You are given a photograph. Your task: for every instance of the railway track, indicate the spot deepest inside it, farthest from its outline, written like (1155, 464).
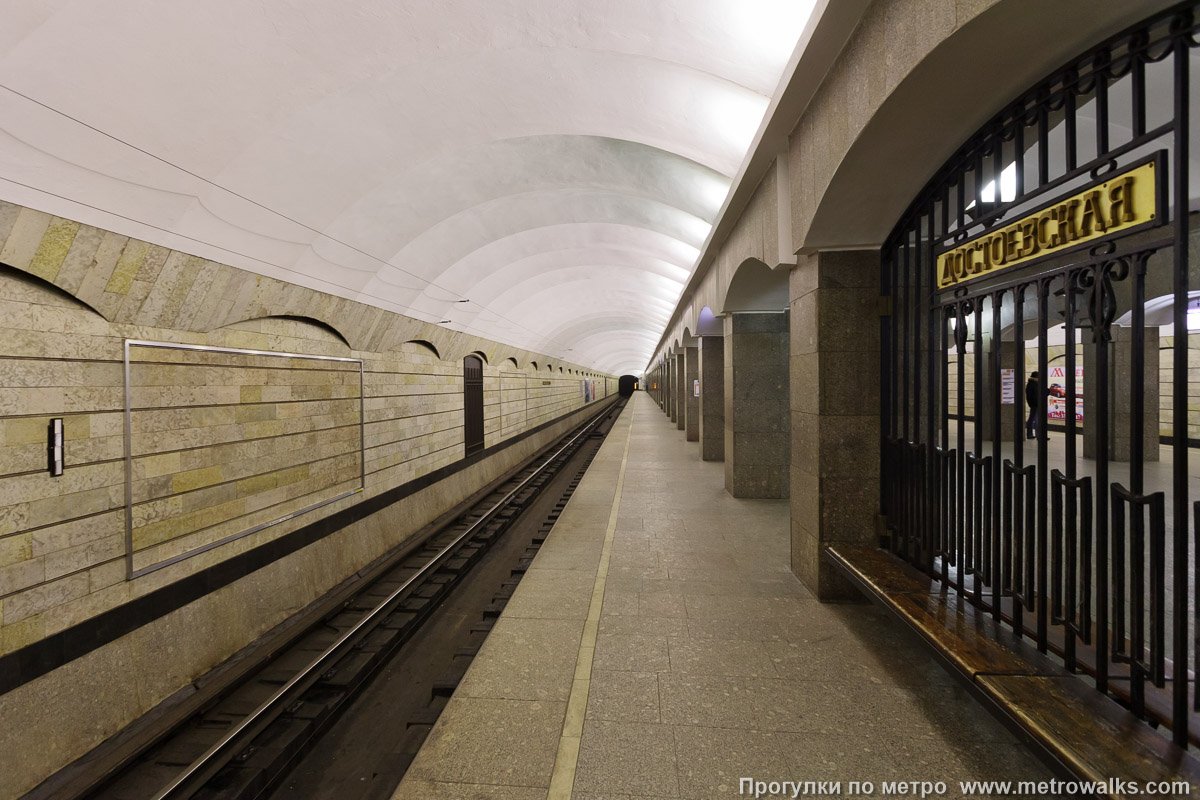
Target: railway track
(241, 745)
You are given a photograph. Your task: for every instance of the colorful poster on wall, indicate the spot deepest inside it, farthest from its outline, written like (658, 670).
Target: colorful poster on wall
(1008, 386)
(1057, 387)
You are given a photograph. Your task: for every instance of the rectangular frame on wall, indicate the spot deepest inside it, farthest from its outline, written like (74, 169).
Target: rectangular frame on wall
(524, 400)
(130, 572)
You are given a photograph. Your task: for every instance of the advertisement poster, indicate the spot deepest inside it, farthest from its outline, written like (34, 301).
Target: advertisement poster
(695, 388)
(1057, 400)
(1008, 386)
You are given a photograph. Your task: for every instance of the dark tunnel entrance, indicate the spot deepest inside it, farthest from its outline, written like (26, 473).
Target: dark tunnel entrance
(628, 385)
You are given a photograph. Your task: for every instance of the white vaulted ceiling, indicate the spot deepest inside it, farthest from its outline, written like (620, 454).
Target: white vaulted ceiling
(556, 163)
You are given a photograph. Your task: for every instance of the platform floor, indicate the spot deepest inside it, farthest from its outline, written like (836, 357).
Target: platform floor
(660, 648)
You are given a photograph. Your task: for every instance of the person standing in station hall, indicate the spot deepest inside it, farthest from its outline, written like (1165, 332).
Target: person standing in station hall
(1034, 394)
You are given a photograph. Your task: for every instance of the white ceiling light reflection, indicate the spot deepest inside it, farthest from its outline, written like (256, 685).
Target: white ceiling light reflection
(1008, 186)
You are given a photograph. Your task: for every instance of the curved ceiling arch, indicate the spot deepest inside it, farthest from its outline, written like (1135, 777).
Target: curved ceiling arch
(492, 95)
(567, 237)
(603, 322)
(407, 156)
(623, 266)
(443, 245)
(428, 191)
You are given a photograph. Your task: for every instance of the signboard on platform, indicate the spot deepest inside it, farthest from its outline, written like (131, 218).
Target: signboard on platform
(695, 388)
(1122, 204)
(1008, 386)
(1057, 388)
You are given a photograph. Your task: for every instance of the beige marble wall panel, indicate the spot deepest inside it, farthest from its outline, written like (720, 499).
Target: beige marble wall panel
(128, 677)
(220, 443)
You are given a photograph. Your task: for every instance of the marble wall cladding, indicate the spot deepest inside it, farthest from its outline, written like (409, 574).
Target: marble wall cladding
(221, 442)
(1166, 372)
(691, 359)
(712, 398)
(757, 424)
(681, 392)
(1120, 391)
(834, 411)
(92, 697)
(672, 380)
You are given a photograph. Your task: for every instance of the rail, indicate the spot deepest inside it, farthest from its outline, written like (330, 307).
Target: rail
(217, 756)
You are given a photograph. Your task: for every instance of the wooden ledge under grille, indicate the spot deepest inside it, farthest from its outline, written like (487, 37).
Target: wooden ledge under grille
(1085, 734)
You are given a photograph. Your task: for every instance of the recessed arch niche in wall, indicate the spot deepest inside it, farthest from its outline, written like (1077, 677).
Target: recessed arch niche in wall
(427, 345)
(756, 287)
(30, 285)
(707, 323)
(290, 331)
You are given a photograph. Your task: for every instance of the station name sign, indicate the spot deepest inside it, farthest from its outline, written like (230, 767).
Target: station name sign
(1130, 200)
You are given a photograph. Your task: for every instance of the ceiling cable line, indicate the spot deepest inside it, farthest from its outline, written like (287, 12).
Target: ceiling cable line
(407, 312)
(256, 203)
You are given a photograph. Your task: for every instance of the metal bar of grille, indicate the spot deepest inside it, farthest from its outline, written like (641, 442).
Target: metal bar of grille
(1043, 292)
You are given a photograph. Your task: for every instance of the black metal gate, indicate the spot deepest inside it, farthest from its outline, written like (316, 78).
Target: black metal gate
(1068, 538)
(473, 404)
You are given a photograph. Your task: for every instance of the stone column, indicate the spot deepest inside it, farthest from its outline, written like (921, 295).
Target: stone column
(1120, 393)
(691, 371)
(756, 405)
(711, 410)
(668, 386)
(834, 411)
(680, 415)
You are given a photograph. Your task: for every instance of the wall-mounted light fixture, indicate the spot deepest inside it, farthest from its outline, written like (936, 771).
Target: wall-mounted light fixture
(54, 447)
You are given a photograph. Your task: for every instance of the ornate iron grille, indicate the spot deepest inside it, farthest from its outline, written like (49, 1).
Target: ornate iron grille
(1085, 553)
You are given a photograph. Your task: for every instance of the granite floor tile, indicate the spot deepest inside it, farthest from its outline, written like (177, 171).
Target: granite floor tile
(749, 587)
(495, 742)
(525, 659)
(586, 560)
(640, 560)
(746, 630)
(629, 758)
(552, 594)
(619, 696)
(698, 560)
(727, 657)
(956, 760)
(846, 757)
(629, 624)
(641, 571)
(711, 760)
(848, 659)
(429, 790)
(741, 607)
(632, 652)
(624, 583)
(661, 604)
(618, 602)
